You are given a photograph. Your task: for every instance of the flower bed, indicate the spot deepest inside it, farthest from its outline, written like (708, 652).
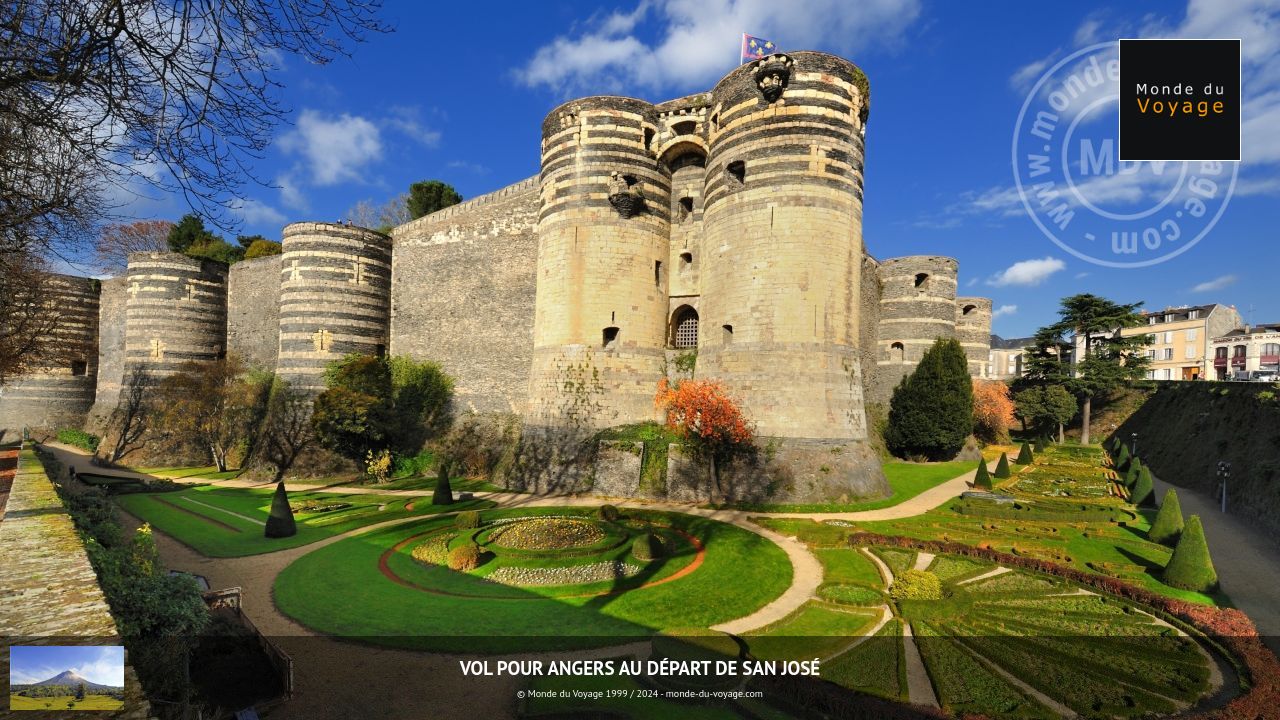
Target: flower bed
(547, 534)
(568, 575)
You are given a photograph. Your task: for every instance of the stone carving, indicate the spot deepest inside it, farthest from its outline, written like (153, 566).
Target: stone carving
(625, 195)
(772, 74)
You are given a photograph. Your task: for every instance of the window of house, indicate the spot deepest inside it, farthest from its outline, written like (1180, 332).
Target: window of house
(1193, 315)
(1151, 354)
(1151, 320)
(79, 367)
(1168, 354)
(1168, 337)
(1151, 374)
(1220, 352)
(1168, 318)
(1191, 351)
(1192, 334)
(684, 327)
(1271, 349)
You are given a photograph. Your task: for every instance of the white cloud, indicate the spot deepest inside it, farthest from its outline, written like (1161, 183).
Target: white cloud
(698, 40)
(1004, 310)
(1217, 283)
(408, 120)
(106, 668)
(256, 212)
(291, 192)
(335, 149)
(1027, 272)
(469, 167)
(1081, 275)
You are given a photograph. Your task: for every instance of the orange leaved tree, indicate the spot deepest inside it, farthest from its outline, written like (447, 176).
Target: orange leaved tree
(707, 418)
(992, 410)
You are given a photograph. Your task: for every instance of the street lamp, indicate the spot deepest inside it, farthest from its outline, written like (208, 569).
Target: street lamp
(1224, 474)
(1133, 450)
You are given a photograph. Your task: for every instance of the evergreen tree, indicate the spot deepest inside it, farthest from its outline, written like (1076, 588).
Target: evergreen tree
(931, 412)
(1122, 460)
(280, 522)
(428, 196)
(1002, 467)
(1168, 523)
(1143, 489)
(1131, 475)
(1190, 566)
(444, 492)
(982, 480)
(188, 231)
(1024, 454)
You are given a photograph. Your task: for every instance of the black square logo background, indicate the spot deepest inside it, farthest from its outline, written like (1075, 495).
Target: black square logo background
(1181, 136)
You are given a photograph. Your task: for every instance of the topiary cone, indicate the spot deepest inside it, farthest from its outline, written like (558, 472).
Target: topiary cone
(1122, 459)
(1190, 567)
(1143, 489)
(280, 521)
(1167, 526)
(1131, 475)
(982, 481)
(1002, 467)
(444, 492)
(1024, 454)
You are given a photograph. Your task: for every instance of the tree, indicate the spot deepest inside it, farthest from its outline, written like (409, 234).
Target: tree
(931, 411)
(180, 97)
(382, 218)
(188, 232)
(280, 522)
(115, 242)
(354, 414)
(1143, 489)
(443, 494)
(262, 248)
(1190, 566)
(80, 691)
(707, 418)
(1168, 524)
(428, 196)
(1045, 407)
(982, 480)
(210, 404)
(1002, 467)
(287, 426)
(131, 417)
(421, 394)
(30, 317)
(992, 410)
(1024, 454)
(1108, 357)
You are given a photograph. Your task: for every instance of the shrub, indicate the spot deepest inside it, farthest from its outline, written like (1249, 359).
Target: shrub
(1122, 458)
(1131, 476)
(79, 438)
(444, 491)
(931, 412)
(465, 557)
(378, 465)
(1002, 467)
(916, 585)
(982, 480)
(280, 522)
(404, 466)
(608, 513)
(1168, 523)
(647, 547)
(1190, 566)
(1024, 454)
(1042, 443)
(992, 410)
(434, 550)
(1143, 489)
(467, 520)
(262, 248)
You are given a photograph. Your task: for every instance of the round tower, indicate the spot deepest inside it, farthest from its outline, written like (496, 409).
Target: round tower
(335, 298)
(60, 390)
(973, 330)
(782, 229)
(175, 311)
(603, 252)
(917, 306)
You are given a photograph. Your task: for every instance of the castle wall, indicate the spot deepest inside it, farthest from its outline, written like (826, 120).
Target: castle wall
(600, 321)
(253, 311)
(111, 333)
(175, 312)
(335, 298)
(917, 306)
(973, 330)
(783, 233)
(869, 328)
(463, 288)
(60, 391)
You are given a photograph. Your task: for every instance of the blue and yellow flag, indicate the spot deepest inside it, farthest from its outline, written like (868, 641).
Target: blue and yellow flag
(754, 48)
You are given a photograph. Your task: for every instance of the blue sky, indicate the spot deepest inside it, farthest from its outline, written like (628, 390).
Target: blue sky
(458, 92)
(36, 663)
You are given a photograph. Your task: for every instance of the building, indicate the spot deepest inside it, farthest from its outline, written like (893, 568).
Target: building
(726, 223)
(1246, 350)
(1006, 358)
(1179, 339)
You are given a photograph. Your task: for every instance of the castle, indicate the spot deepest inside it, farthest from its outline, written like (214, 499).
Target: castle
(727, 223)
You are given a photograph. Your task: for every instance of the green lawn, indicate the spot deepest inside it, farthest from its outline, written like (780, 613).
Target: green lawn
(90, 702)
(907, 480)
(229, 522)
(817, 629)
(340, 590)
(208, 472)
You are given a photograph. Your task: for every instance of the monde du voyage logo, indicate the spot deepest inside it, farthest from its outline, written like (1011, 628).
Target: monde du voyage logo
(1148, 187)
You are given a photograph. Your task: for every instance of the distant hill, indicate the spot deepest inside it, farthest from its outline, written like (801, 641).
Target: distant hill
(69, 678)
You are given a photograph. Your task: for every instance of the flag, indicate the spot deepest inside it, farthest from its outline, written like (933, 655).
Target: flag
(754, 48)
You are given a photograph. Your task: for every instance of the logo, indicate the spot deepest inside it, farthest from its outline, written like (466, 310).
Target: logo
(1082, 196)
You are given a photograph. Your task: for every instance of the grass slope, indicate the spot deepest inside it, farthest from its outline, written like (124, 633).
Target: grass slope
(907, 480)
(90, 702)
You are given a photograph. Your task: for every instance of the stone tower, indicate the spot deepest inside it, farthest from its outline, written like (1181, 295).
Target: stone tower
(175, 311)
(599, 333)
(917, 306)
(973, 330)
(782, 224)
(335, 298)
(59, 393)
